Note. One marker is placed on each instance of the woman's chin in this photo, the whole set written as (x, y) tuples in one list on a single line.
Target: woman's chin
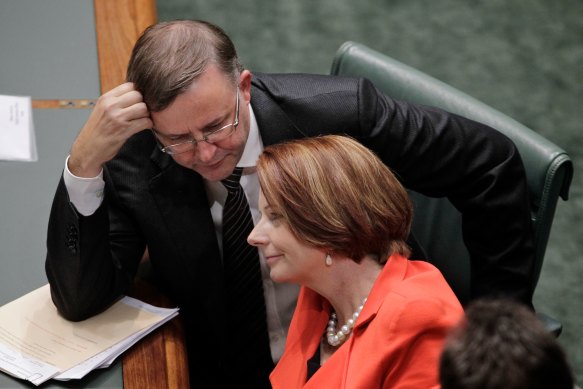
[(275, 277), (278, 276)]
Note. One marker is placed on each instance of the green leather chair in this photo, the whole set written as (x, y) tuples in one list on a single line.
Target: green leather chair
[(437, 224)]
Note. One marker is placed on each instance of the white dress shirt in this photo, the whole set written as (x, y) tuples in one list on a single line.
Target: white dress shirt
[(86, 194)]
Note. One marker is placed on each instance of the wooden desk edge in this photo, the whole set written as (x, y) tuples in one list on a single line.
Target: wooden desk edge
[(160, 359)]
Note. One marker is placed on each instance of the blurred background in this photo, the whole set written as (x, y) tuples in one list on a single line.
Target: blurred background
[(524, 58)]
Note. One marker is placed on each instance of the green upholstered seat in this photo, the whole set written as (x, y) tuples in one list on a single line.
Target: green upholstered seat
[(437, 223)]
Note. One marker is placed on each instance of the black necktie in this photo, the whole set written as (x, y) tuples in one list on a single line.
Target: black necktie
[(245, 304)]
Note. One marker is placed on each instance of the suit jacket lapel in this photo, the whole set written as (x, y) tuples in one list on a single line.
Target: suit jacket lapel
[(181, 198)]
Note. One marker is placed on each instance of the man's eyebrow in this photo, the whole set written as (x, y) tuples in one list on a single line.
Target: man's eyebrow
[(215, 122), (212, 123), (173, 135)]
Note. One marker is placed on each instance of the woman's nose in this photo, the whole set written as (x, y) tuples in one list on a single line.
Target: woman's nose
[(254, 238)]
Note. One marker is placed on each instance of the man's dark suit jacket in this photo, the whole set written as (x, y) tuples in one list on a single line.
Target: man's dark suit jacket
[(152, 201)]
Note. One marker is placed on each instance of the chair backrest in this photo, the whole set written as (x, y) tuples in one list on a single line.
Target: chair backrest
[(437, 224)]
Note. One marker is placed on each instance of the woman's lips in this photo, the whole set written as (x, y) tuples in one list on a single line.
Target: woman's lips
[(270, 259)]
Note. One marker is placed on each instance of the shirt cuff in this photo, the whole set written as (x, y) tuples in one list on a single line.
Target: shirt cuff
[(86, 194)]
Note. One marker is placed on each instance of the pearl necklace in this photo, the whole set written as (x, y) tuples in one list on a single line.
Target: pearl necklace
[(336, 338)]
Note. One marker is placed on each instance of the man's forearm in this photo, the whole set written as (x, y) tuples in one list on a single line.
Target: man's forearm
[(79, 263)]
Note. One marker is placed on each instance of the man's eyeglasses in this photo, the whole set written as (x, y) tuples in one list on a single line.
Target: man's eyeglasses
[(211, 137)]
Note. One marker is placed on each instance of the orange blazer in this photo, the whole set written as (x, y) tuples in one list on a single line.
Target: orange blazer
[(395, 343)]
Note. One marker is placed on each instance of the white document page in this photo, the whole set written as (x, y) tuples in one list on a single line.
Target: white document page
[(107, 357), (17, 138), (23, 367), (32, 328)]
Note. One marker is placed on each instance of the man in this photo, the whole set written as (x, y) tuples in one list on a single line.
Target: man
[(502, 344), (125, 189)]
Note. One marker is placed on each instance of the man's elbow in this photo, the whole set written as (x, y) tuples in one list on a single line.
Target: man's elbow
[(74, 309)]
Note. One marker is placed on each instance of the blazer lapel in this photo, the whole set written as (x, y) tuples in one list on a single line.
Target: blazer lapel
[(392, 273), (181, 198), (311, 316)]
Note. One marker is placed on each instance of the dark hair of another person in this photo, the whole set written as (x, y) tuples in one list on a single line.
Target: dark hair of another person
[(169, 56), (502, 344), (336, 194)]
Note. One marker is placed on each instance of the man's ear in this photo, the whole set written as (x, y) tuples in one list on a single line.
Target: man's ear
[(245, 85)]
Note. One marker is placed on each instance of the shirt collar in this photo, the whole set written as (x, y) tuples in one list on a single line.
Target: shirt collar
[(254, 144)]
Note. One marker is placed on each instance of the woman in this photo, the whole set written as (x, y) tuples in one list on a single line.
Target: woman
[(334, 219)]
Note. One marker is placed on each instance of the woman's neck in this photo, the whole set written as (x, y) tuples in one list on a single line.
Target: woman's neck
[(346, 283)]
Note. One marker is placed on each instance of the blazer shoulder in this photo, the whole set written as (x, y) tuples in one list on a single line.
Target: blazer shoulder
[(303, 84)]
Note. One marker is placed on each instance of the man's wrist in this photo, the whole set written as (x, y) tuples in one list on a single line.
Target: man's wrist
[(86, 194), (80, 170)]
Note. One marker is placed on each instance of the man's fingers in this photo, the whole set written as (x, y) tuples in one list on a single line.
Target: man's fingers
[(139, 125), (137, 118), (129, 98), (120, 90), (136, 111), (118, 115), (117, 110), (120, 97)]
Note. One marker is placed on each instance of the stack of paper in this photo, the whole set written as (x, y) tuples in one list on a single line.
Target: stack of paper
[(37, 344)]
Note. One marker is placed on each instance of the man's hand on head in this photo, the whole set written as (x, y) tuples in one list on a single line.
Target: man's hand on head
[(117, 115)]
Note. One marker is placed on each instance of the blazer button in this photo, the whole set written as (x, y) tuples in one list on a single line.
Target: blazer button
[(71, 244)]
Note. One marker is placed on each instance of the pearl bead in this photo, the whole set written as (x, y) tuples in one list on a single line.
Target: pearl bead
[(336, 338)]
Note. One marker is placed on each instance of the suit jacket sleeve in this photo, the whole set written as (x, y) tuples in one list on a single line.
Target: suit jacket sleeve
[(433, 152), (479, 169), (86, 271)]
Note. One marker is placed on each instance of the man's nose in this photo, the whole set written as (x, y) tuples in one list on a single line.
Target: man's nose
[(205, 151)]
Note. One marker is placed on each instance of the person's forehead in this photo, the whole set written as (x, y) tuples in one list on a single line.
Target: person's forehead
[(209, 98), (212, 85)]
